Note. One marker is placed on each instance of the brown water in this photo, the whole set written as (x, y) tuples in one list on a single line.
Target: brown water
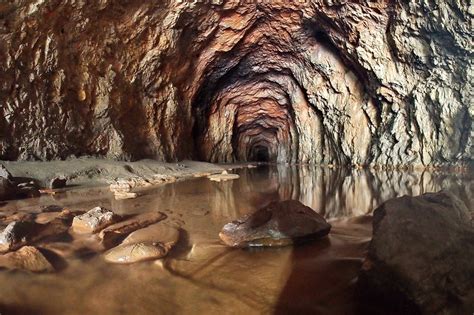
[(201, 276)]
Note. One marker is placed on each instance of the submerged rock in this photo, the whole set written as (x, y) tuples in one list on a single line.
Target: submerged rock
[(114, 232), (278, 224), (94, 220), (156, 233), (27, 258), (420, 259), (152, 242), (131, 253), (224, 176)]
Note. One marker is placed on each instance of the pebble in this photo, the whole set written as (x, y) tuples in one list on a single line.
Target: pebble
[(94, 220), (26, 258)]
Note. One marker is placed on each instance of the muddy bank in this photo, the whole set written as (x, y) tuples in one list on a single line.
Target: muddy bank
[(94, 171)]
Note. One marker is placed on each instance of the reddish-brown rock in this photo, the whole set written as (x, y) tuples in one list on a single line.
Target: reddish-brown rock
[(360, 82), (278, 224)]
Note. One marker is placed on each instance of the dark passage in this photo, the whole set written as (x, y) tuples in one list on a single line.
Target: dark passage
[(260, 154)]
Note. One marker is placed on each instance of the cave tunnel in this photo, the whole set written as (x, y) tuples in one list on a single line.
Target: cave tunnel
[(284, 99)]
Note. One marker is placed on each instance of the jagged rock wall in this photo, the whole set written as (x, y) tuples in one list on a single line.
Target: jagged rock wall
[(366, 82)]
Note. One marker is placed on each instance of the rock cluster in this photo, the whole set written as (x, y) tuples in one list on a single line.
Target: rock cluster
[(360, 82), (420, 259)]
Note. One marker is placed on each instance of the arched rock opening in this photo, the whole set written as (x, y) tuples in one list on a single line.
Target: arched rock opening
[(360, 82)]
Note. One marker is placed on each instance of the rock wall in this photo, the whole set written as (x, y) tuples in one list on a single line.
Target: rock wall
[(321, 81)]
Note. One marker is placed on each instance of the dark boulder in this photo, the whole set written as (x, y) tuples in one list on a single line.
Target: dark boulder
[(421, 257), (278, 224)]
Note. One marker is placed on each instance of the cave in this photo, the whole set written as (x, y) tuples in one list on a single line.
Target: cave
[(270, 150)]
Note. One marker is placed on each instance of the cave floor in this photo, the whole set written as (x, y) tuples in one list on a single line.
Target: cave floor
[(202, 276)]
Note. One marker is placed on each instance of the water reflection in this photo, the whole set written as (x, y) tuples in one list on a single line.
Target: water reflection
[(335, 193), (210, 277)]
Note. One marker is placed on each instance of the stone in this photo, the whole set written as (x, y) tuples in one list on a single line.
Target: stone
[(4, 173), (111, 234), (7, 189), (26, 258), (132, 253), (119, 195), (58, 182), (224, 176), (94, 220), (20, 233), (278, 224), (120, 186), (161, 233), (16, 234), (420, 259)]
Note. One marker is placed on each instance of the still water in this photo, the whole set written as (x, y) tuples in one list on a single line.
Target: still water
[(200, 275)]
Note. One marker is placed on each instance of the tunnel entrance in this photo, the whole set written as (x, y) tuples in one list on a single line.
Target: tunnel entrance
[(259, 154)]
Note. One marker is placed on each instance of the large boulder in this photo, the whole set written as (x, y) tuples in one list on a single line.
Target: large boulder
[(278, 224), (421, 257)]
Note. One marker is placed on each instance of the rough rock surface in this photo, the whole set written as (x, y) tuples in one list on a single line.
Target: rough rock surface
[(361, 82), (420, 259), (278, 224), (26, 258), (94, 220), (156, 233), (19, 233), (16, 234), (114, 232)]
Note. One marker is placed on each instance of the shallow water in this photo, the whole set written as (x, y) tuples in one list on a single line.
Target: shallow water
[(201, 275)]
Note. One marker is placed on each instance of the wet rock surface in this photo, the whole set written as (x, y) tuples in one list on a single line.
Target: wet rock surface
[(278, 224), (26, 258), (16, 234), (420, 257), (94, 220), (334, 82), (224, 176), (113, 233), (19, 233), (156, 233), (131, 253), (152, 242)]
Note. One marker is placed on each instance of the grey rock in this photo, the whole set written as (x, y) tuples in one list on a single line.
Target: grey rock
[(15, 235), (420, 259)]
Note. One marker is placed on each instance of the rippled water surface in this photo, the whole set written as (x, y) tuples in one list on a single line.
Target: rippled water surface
[(201, 276)]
